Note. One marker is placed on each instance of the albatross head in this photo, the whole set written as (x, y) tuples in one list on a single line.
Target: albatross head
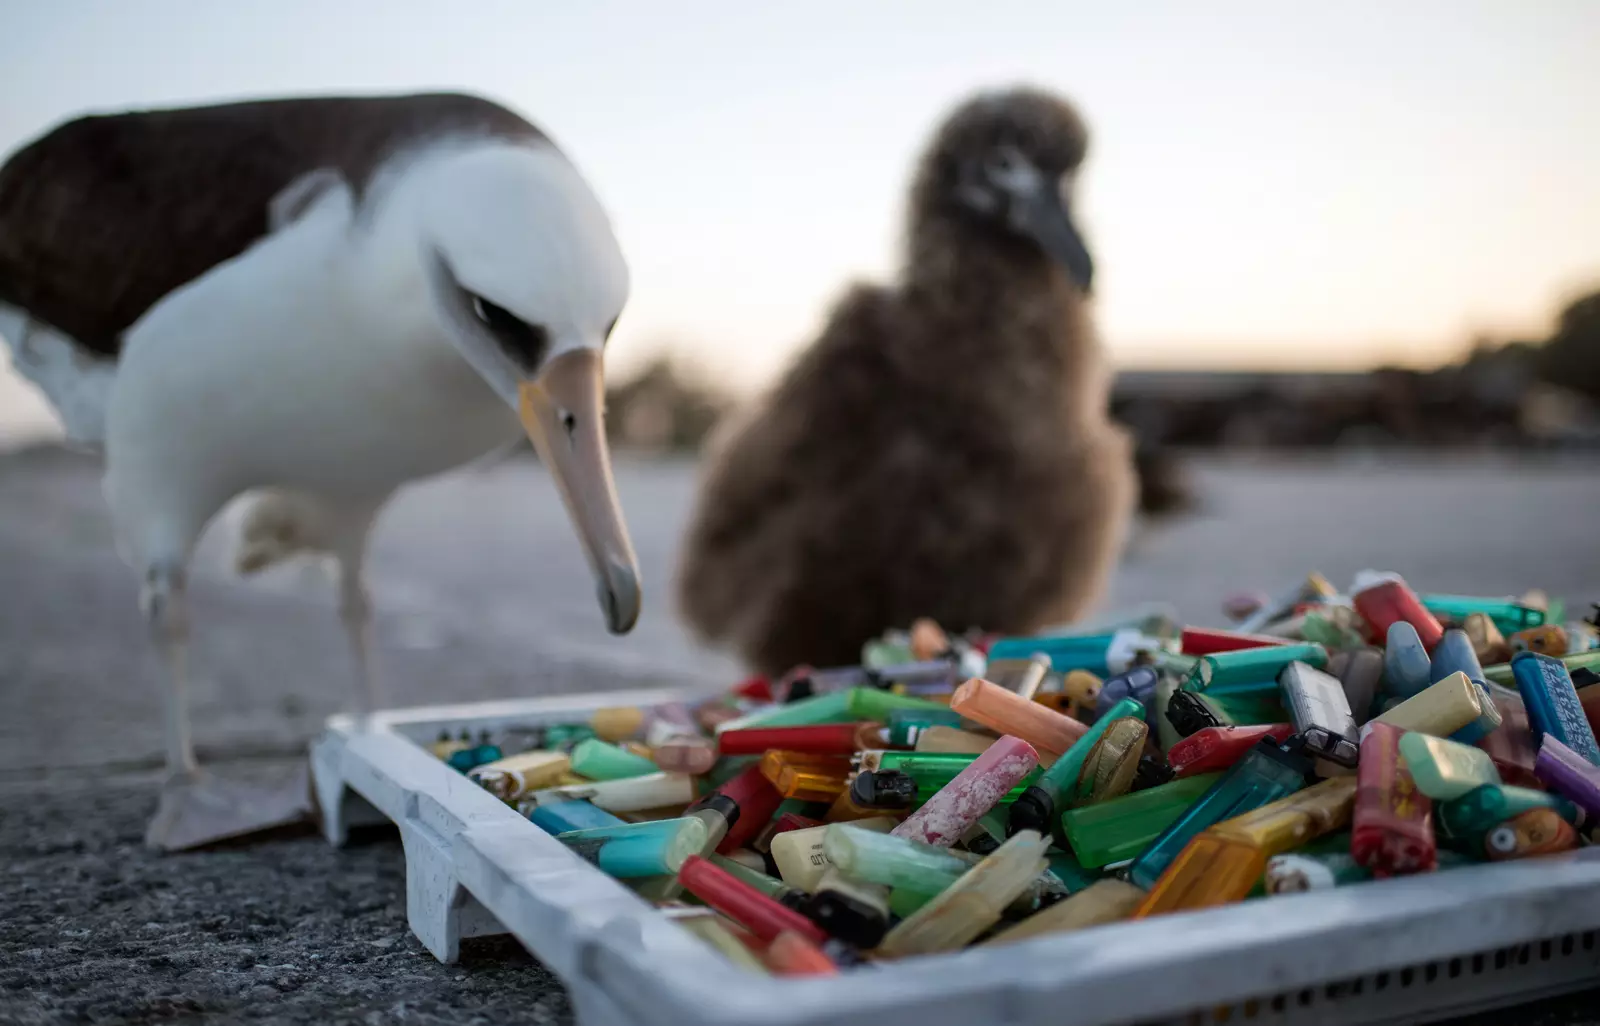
[(528, 280), (1008, 161)]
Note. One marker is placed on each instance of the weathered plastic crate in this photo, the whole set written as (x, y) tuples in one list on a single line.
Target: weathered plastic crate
[(1406, 950)]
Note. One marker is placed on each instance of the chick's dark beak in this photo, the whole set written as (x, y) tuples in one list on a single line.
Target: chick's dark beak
[(1044, 213)]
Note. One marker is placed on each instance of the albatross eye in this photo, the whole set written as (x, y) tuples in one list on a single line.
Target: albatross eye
[(524, 342)]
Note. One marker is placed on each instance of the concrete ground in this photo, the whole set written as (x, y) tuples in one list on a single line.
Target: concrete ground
[(481, 593)]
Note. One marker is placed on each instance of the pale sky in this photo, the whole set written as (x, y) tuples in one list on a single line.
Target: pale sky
[(1269, 184)]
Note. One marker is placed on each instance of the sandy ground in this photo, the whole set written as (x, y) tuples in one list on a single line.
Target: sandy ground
[(482, 593)]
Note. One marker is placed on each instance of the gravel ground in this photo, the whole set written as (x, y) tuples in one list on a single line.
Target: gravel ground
[(481, 594)]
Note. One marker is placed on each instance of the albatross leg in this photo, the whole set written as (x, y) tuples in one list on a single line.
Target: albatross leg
[(196, 807), (355, 606)]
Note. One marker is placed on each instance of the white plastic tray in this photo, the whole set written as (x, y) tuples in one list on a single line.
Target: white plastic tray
[(1406, 950)]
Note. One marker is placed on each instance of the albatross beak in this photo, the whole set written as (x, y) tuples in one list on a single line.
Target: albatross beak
[(1044, 215), (563, 411)]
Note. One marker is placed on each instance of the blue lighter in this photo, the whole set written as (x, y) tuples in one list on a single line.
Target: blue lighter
[(1552, 701)]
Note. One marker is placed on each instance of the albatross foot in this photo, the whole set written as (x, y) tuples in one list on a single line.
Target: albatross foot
[(200, 808)]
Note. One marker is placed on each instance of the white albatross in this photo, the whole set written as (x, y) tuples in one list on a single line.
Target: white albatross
[(320, 299)]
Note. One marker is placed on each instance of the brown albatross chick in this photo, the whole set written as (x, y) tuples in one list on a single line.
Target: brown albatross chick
[(944, 448)]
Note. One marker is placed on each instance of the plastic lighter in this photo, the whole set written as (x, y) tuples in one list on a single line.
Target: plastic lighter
[(1384, 598), (1313, 587), (1360, 671), (1004, 712), (1190, 712), (930, 771), (872, 704), (602, 760), (813, 739), (1199, 641), (1167, 735), (791, 954), (1535, 832), (652, 791), (771, 886), (949, 740), (693, 755), (1320, 712), (737, 810), (1104, 901), (1101, 654), (812, 778), (1445, 769), (1488, 642), (1251, 668), (562, 817), (638, 849), (1113, 762), (1335, 628), (906, 725), (799, 854), (1216, 748), (1406, 666), (881, 789), (1501, 673), (1222, 864), (1123, 827), (514, 776), (975, 790), (1466, 822), (833, 707), (1454, 654), (1027, 677), (988, 833), (1266, 773), (853, 910), (1049, 793), (1507, 614), (1551, 639), (1392, 826), (1440, 709), (1570, 775), (973, 903), (1138, 683), (1153, 771), (1511, 747), (720, 933), (744, 904), (1552, 702), (1292, 873), (890, 861)]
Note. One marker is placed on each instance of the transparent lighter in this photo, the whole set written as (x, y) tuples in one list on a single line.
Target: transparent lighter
[(1266, 773), (973, 903)]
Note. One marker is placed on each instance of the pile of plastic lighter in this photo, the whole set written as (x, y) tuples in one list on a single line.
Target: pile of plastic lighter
[(981, 790)]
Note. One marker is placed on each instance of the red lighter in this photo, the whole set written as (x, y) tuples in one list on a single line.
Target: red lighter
[(1217, 748), (746, 802), (1391, 600), (744, 904), (821, 739), (1392, 826), (1199, 641)]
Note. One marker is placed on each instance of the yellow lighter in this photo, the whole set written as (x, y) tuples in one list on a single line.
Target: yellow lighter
[(806, 777)]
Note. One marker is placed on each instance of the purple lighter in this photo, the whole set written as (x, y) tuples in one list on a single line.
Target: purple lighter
[(1570, 775)]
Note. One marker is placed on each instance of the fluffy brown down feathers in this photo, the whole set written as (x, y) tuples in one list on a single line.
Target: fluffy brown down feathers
[(943, 449)]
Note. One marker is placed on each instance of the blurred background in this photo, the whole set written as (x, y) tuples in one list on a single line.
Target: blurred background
[(1349, 275)]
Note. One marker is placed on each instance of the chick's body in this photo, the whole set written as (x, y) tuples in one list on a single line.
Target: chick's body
[(942, 450)]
